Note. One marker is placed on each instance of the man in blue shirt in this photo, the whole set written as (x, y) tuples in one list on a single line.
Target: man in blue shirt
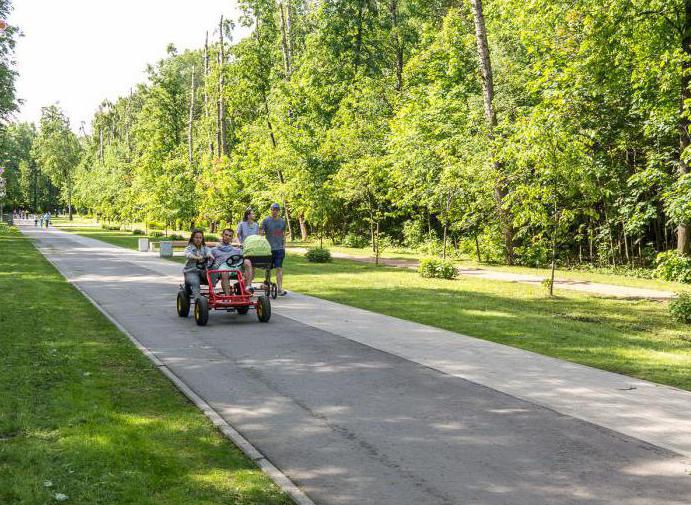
[(274, 229)]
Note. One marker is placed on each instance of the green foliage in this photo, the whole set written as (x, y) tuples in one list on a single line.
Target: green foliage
[(370, 119), (680, 307), (138, 232), (318, 255), (672, 266), (110, 227), (156, 234), (355, 241), (437, 268)]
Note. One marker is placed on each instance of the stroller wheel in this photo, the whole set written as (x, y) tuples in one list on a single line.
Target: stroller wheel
[(274, 290)]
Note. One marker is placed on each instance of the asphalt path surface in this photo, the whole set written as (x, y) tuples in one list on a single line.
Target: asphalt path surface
[(350, 424)]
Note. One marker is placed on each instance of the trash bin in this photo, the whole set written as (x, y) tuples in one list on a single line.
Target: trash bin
[(143, 244), (166, 249)]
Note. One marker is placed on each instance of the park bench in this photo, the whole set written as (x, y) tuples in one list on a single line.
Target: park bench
[(155, 246)]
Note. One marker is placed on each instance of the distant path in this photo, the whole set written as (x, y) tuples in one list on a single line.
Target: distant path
[(361, 408), (595, 288)]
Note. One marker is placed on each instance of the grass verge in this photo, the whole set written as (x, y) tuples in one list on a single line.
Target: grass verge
[(84, 414)]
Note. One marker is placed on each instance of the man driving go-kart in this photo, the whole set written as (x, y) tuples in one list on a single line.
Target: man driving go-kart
[(203, 269)]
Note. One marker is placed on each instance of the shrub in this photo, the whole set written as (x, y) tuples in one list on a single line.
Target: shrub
[(318, 255), (356, 241), (110, 227), (437, 268), (137, 232), (176, 236), (156, 234), (672, 266), (680, 307), (210, 237)]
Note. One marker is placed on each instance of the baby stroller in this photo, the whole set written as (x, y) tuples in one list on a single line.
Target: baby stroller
[(258, 250)]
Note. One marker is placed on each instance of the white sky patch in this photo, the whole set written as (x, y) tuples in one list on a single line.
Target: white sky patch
[(79, 52)]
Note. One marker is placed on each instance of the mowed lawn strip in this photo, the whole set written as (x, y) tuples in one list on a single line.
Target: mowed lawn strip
[(632, 337), (636, 338), (83, 413)]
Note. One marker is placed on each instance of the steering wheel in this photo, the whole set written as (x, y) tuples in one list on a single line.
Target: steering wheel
[(204, 264), (235, 260)]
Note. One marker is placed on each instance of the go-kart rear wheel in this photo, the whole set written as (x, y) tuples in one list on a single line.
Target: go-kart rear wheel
[(183, 303), (201, 311), (243, 310), (274, 290), (263, 309)]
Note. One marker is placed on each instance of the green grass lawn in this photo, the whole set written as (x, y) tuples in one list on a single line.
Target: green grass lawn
[(575, 275), (636, 338), (83, 413), (633, 337)]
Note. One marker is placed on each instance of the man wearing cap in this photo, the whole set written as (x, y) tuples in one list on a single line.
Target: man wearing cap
[(274, 229)]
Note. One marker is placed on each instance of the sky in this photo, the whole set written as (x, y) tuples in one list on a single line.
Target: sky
[(79, 52)]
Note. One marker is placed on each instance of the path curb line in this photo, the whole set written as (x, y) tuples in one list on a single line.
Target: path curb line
[(276, 475)]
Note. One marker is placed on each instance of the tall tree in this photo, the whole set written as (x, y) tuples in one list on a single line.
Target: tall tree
[(57, 151), (491, 117)]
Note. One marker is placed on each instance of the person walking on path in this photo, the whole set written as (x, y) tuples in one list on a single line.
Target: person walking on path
[(47, 219), (248, 226), (274, 229)]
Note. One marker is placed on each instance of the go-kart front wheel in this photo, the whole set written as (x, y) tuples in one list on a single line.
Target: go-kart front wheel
[(201, 311), (263, 309), (183, 303)]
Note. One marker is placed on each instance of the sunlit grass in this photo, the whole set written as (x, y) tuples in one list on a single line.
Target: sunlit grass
[(85, 414), (637, 338)]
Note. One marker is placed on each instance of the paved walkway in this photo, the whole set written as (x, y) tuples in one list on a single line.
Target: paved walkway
[(358, 408), (596, 288)]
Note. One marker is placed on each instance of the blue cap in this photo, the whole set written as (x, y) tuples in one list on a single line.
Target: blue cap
[(275, 206)]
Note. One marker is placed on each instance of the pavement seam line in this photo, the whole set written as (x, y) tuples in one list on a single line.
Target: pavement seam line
[(273, 472)]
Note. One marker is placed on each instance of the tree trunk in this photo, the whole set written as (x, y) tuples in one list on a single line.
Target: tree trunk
[(206, 95), (303, 228), (683, 230), (377, 252), (477, 248), (358, 35), (393, 9), (221, 123), (491, 118), (285, 40), (446, 227), (190, 152)]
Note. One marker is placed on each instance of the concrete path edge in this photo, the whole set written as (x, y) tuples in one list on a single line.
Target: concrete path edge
[(276, 475)]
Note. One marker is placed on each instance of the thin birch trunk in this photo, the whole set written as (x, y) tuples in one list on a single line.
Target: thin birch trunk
[(491, 118)]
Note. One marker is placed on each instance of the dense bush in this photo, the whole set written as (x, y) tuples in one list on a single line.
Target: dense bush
[(137, 232), (210, 237), (672, 266), (156, 234), (356, 241), (110, 227), (177, 236), (680, 307), (437, 268), (318, 255)]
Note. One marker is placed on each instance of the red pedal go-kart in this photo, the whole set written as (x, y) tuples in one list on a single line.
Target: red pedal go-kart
[(241, 299)]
